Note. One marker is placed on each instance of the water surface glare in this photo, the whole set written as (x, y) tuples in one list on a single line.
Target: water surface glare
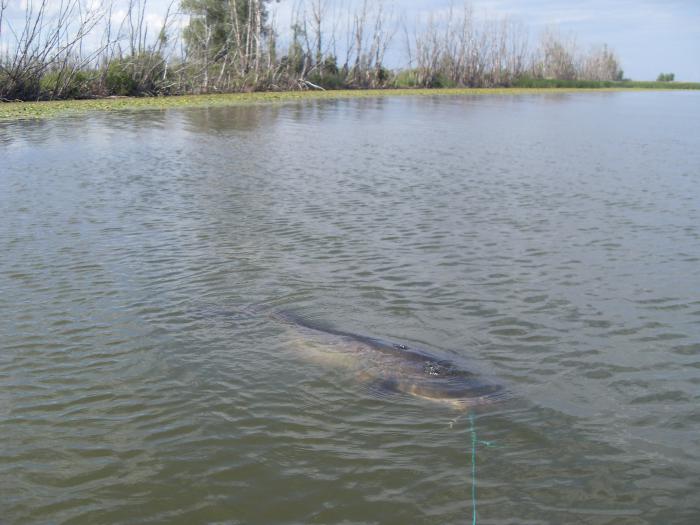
[(549, 244)]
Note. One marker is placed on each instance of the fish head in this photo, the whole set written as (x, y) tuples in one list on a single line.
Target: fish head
[(457, 392)]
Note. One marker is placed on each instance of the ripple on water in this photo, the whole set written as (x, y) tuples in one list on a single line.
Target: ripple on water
[(139, 385)]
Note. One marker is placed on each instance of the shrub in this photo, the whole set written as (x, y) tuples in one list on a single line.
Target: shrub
[(65, 84), (406, 79), (328, 80), (119, 79), (330, 65)]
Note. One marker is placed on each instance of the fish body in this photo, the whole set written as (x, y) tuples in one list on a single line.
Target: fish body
[(393, 367)]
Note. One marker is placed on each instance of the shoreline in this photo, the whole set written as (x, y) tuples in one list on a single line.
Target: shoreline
[(15, 111)]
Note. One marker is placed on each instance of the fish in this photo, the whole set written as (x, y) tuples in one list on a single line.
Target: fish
[(392, 367)]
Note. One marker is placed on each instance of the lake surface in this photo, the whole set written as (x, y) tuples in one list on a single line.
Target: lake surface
[(550, 242)]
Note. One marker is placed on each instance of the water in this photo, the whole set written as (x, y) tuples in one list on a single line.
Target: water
[(550, 242)]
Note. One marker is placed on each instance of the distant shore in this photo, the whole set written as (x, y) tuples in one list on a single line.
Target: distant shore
[(10, 111)]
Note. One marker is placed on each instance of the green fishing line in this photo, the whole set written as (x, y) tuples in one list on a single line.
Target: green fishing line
[(475, 442), (472, 429)]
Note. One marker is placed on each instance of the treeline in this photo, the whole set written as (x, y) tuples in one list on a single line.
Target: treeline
[(83, 48)]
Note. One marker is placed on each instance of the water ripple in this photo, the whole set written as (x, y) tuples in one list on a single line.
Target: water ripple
[(522, 237)]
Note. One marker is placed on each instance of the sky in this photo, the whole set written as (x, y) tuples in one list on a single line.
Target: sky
[(649, 36)]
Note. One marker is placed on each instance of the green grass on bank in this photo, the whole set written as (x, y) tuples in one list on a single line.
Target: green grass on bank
[(544, 83), (39, 110)]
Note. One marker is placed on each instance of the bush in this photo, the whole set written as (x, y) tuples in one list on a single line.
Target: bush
[(328, 80), (330, 65), (4, 84), (119, 79), (406, 79), (529, 82), (65, 84), (443, 81), (381, 75)]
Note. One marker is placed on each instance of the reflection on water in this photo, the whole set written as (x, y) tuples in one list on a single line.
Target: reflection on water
[(548, 243)]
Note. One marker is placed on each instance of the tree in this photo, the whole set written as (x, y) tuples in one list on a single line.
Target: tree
[(666, 77), (601, 65), (558, 56), (223, 34)]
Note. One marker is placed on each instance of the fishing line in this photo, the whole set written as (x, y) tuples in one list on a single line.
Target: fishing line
[(475, 442), (472, 430)]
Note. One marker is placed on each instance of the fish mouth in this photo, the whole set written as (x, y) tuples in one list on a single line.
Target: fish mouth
[(456, 392)]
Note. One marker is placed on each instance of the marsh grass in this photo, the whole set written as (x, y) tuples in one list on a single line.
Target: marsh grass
[(41, 110), (544, 83)]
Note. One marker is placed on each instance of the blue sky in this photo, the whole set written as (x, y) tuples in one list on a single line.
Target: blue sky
[(649, 36)]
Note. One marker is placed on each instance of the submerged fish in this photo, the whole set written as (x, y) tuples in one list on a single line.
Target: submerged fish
[(392, 366)]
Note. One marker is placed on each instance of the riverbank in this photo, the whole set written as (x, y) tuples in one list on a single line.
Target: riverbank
[(40, 110)]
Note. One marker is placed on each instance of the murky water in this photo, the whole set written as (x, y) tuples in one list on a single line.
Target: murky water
[(551, 243)]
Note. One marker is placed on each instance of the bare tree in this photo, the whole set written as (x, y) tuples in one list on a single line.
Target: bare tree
[(231, 45), (600, 64), (48, 40), (556, 56)]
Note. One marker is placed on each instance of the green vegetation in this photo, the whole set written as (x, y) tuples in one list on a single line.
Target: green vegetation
[(408, 78), (666, 77), (220, 46), (544, 83), (61, 84), (119, 81), (48, 109)]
